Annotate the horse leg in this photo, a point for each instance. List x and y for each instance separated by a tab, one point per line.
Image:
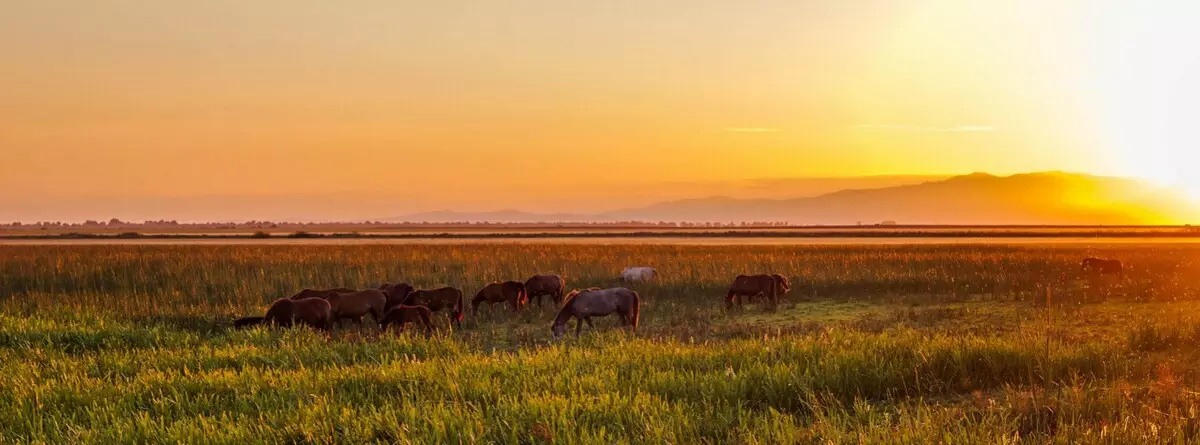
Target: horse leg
589	323
578	326
426	321
378	318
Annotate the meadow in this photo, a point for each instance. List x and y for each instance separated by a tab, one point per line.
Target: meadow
876	343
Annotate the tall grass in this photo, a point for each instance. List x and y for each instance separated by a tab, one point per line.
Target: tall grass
909	344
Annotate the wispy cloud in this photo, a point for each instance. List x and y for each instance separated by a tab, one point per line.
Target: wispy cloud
922	129
751	130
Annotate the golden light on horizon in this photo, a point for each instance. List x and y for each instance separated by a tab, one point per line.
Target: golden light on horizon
260	98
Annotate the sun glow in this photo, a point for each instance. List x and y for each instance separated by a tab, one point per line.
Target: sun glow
1143	79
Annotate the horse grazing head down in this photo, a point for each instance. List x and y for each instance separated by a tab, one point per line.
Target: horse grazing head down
593	302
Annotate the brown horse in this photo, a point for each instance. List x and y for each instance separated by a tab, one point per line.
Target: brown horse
396	293
438	299
403	315
321	293
772	286
356	305
512	292
583	305
552	286
285	312
1102	266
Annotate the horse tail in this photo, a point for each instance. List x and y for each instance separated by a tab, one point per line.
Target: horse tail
458	309
426	317
635	310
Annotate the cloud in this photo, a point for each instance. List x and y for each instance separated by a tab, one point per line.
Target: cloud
921	129
751	130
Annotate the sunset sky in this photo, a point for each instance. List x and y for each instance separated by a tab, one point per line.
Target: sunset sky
495	104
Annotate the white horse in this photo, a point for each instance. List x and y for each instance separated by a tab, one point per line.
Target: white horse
639	274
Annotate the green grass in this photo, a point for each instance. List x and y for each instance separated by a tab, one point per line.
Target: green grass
899	344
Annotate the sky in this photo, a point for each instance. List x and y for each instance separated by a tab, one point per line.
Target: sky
554	105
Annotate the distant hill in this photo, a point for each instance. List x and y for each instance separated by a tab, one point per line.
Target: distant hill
1036	198
499	216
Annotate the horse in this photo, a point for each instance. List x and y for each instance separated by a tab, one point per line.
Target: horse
772	286
396	293
246	322
1102	266
639	274
356	305
546	285
438	299
321	293
583	305
285	312
404	315
512	292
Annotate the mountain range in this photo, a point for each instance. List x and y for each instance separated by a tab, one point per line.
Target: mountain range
1049	198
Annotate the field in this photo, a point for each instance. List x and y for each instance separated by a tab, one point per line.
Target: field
876	343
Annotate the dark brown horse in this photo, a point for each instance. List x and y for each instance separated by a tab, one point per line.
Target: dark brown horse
321	293
285	312
356	305
403	315
438	299
552	286
771	286
511	292
396	293
1102	266
583	305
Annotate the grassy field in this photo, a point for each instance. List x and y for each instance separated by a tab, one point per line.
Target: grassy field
901	344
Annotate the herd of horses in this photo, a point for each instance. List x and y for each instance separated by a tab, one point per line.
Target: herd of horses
401	304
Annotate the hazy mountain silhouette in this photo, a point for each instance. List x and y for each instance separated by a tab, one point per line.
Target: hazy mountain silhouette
499	216
1036	198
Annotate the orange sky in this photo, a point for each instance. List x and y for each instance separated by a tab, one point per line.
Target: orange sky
485	103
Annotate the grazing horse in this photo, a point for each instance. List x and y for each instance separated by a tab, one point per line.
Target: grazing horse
403	315
356	305
438	299
285	312
512	292
639	274
546	285
321	293
583	305
396	293
1102	266
772	286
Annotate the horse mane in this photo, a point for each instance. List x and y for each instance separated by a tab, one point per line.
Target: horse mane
565	313
570	297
